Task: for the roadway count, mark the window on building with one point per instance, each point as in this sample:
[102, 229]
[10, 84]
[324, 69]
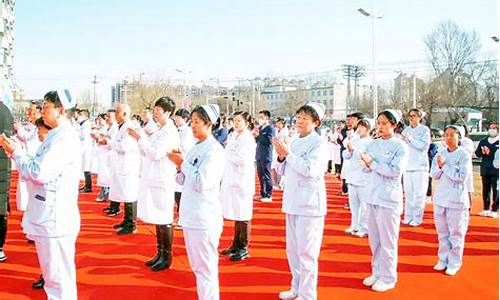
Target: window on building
[324, 93]
[331, 92]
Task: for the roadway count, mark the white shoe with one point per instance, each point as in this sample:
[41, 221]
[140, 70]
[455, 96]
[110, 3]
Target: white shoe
[370, 280]
[493, 215]
[361, 234]
[381, 286]
[287, 295]
[413, 224]
[350, 230]
[440, 266]
[266, 199]
[3, 257]
[405, 222]
[484, 213]
[428, 200]
[451, 271]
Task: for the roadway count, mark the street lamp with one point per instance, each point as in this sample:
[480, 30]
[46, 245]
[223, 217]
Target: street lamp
[374, 81]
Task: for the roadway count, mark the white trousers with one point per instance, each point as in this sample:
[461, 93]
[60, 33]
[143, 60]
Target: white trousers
[201, 247]
[57, 262]
[383, 234]
[415, 188]
[303, 244]
[357, 206]
[451, 226]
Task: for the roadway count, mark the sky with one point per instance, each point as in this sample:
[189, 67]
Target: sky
[65, 43]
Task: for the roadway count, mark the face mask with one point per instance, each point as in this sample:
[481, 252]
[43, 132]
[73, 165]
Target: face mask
[492, 132]
[261, 122]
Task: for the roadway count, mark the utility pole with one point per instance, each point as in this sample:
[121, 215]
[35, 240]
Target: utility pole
[347, 69]
[94, 101]
[357, 73]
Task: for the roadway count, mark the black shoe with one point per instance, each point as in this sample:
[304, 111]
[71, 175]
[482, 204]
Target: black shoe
[39, 283]
[164, 262]
[241, 254]
[106, 209]
[127, 229]
[112, 213]
[229, 251]
[166, 237]
[30, 241]
[118, 226]
[85, 190]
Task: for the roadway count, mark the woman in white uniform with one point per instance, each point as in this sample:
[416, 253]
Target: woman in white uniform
[304, 164]
[356, 180]
[416, 178]
[385, 161]
[52, 218]
[157, 185]
[468, 145]
[238, 184]
[201, 211]
[104, 174]
[451, 168]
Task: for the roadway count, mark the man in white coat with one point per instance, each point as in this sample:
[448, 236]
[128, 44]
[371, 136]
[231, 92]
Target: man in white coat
[415, 179]
[126, 162]
[103, 143]
[86, 144]
[157, 185]
[52, 217]
[304, 163]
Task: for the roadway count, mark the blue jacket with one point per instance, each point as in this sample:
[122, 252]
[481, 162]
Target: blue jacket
[487, 168]
[264, 146]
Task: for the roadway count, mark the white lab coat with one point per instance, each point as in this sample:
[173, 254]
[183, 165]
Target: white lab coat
[385, 204]
[28, 135]
[238, 181]
[157, 184]
[451, 205]
[97, 150]
[334, 148]
[187, 142]
[86, 143]
[200, 214]
[283, 135]
[105, 156]
[125, 162]
[358, 186]
[52, 218]
[416, 177]
[351, 137]
[304, 203]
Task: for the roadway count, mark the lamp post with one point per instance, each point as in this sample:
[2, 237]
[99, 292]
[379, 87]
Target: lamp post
[374, 65]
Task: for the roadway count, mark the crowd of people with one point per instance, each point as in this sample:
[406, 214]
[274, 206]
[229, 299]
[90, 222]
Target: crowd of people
[166, 168]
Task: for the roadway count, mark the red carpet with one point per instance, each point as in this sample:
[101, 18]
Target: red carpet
[111, 266]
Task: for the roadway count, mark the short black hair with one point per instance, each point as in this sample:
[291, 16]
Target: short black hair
[38, 104]
[53, 97]
[39, 123]
[358, 115]
[166, 103]
[309, 110]
[111, 110]
[280, 119]
[415, 110]
[202, 114]
[265, 113]
[183, 113]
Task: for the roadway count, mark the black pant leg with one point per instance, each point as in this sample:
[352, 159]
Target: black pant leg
[486, 181]
[494, 186]
[3, 230]
[267, 179]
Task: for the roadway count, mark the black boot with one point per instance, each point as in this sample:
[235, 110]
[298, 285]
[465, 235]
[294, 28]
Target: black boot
[39, 283]
[231, 250]
[243, 236]
[153, 261]
[119, 225]
[165, 260]
[88, 183]
[129, 219]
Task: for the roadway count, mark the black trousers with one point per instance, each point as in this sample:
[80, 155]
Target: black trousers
[3, 227]
[490, 185]
[429, 187]
[265, 180]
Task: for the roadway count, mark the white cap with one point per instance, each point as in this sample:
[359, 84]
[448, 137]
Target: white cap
[395, 113]
[318, 107]
[212, 111]
[66, 100]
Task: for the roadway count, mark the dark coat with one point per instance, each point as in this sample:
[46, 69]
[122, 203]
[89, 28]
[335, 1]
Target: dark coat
[6, 123]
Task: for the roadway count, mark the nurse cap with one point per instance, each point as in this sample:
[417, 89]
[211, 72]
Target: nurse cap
[395, 113]
[66, 100]
[212, 111]
[319, 108]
